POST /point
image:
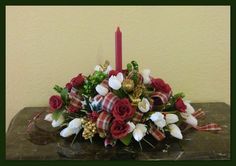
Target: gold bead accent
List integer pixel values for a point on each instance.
(128, 85)
(90, 129)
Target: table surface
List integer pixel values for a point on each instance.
(40, 141)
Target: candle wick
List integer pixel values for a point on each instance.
(118, 28)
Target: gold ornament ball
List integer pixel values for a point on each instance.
(128, 85)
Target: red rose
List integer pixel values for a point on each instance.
(77, 81)
(93, 116)
(69, 86)
(55, 102)
(72, 109)
(113, 73)
(119, 129)
(122, 110)
(159, 85)
(179, 105)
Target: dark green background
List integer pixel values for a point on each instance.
(111, 2)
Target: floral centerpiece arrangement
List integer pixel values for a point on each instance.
(121, 106)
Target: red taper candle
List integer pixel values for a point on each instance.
(118, 45)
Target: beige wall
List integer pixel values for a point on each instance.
(187, 46)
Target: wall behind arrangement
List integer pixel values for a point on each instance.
(189, 47)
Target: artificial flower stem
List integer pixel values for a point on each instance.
(73, 140)
(149, 143)
(140, 145)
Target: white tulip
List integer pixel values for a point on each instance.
(146, 76)
(114, 83)
(120, 77)
(98, 68)
(131, 126)
(73, 127)
(109, 68)
(48, 117)
(101, 90)
(58, 122)
(75, 123)
(189, 108)
(160, 123)
(144, 105)
(175, 131)
(191, 120)
(156, 116)
(139, 131)
(66, 132)
(171, 118)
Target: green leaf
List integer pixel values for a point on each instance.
(127, 139)
(64, 95)
(56, 114)
(58, 88)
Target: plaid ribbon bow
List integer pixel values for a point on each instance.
(103, 123)
(109, 101)
(137, 116)
(156, 133)
(209, 127)
(74, 100)
(162, 96)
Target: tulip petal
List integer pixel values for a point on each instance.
(156, 116)
(191, 120)
(146, 76)
(66, 132)
(142, 127)
(101, 90)
(114, 83)
(175, 131)
(144, 105)
(171, 118)
(131, 126)
(189, 108)
(57, 123)
(48, 117)
(160, 123)
(138, 134)
(120, 77)
(75, 123)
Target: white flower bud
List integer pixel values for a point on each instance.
(146, 76)
(58, 122)
(114, 83)
(48, 117)
(144, 105)
(101, 90)
(175, 131)
(171, 118)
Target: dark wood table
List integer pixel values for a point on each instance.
(40, 141)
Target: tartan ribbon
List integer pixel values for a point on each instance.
(164, 97)
(199, 114)
(109, 141)
(103, 122)
(208, 127)
(137, 116)
(76, 102)
(73, 92)
(104, 83)
(109, 101)
(156, 133)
